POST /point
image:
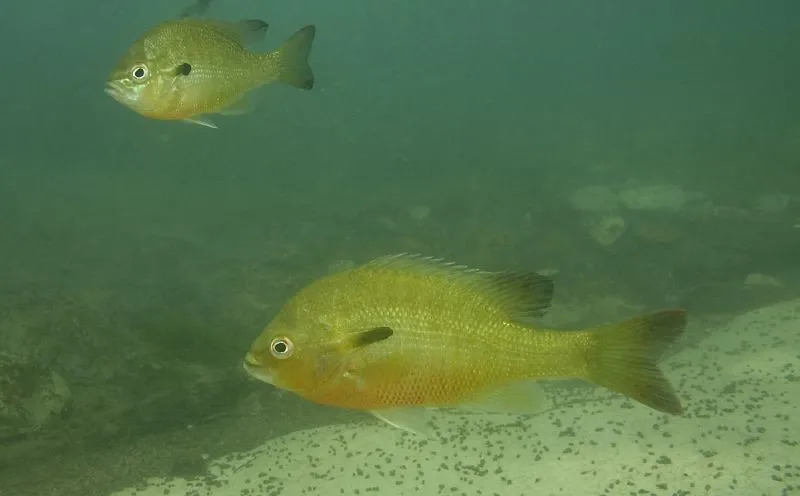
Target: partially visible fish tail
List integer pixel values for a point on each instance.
(624, 357)
(290, 60)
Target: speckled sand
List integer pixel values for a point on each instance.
(740, 436)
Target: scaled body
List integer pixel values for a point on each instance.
(405, 331)
(186, 69)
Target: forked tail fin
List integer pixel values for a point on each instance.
(291, 59)
(624, 357)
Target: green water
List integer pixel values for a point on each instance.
(139, 259)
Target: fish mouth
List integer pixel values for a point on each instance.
(253, 368)
(114, 90)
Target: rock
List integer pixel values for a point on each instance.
(30, 396)
(667, 197)
(607, 230)
(594, 199)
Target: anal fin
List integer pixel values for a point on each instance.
(409, 419)
(243, 105)
(202, 121)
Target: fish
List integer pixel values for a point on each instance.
(405, 334)
(188, 69)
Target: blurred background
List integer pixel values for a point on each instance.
(645, 153)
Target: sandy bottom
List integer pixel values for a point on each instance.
(740, 386)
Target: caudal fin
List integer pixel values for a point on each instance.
(291, 59)
(624, 357)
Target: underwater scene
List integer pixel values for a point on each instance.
(441, 247)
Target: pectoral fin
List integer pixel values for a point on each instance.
(347, 357)
(409, 419)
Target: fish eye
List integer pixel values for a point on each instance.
(139, 72)
(281, 347)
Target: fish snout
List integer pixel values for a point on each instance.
(251, 360)
(112, 88)
(118, 92)
(252, 365)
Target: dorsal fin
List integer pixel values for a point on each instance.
(526, 295)
(521, 295)
(245, 32)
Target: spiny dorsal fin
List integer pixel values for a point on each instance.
(245, 32)
(522, 295)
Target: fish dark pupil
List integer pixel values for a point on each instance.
(280, 347)
(139, 73)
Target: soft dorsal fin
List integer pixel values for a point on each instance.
(522, 295)
(525, 295)
(245, 32)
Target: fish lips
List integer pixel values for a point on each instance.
(117, 92)
(254, 370)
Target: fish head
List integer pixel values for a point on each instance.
(292, 353)
(320, 342)
(147, 79)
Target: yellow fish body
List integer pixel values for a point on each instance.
(187, 68)
(404, 332)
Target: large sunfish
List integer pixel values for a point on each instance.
(404, 333)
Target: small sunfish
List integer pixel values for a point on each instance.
(186, 69)
(405, 333)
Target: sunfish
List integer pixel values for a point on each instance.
(405, 333)
(187, 69)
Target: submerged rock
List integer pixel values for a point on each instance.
(667, 197)
(607, 229)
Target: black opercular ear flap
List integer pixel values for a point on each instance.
(183, 69)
